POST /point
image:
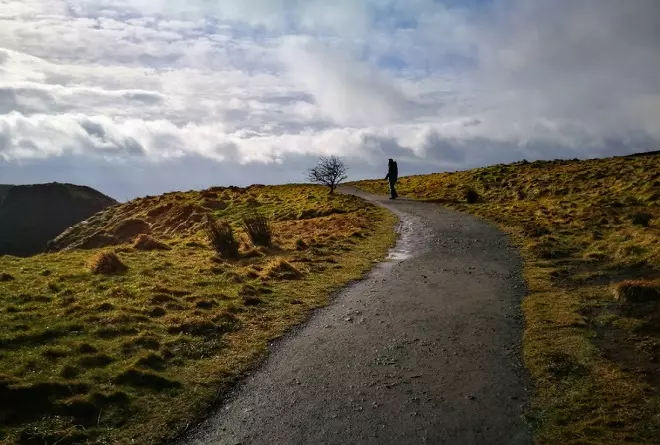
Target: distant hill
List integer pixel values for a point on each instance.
(31, 215)
(4, 188)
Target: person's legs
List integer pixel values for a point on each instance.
(393, 193)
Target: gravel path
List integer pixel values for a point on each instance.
(424, 350)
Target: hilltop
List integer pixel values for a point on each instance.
(182, 214)
(130, 328)
(589, 232)
(31, 215)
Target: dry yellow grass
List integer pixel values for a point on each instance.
(147, 242)
(582, 226)
(107, 263)
(637, 291)
(135, 357)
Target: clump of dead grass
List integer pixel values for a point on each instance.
(147, 242)
(281, 269)
(129, 228)
(637, 291)
(106, 263)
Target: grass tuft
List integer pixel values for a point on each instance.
(281, 270)
(221, 237)
(128, 229)
(471, 196)
(95, 361)
(147, 242)
(152, 361)
(642, 219)
(637, 291)
(258, 228)
(106, 263)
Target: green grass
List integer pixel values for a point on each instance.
(136, 356)
(595, 360)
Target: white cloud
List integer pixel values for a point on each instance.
(261, 81)
(349, 91)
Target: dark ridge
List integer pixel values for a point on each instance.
(646, 153)
(4, 188)
(31, 215)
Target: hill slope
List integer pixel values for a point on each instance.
(182, 214)
(31, 215)
(4, 188)
(137, 353)
(592, 337)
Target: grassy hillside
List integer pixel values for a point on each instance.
(590, 235)
(136, 355)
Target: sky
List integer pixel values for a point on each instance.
(137, 97)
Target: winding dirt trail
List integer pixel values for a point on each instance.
(425, 349)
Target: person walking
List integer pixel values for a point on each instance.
(392, 176)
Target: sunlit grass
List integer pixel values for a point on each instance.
(136, 354)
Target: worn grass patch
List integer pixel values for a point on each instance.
(585, 228)
(135, 356)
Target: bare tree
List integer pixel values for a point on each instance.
(329, 172)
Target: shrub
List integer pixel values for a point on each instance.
(222, 239)
(258, 229)
(642, 219)
(636, 291)
(106, 263)
(147, 242)
(471, 196)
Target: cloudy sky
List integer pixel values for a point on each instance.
(138, 97)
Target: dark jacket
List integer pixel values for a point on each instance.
(392, 171)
